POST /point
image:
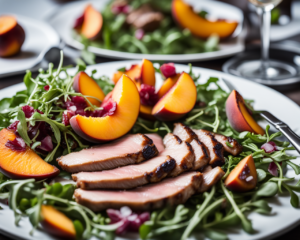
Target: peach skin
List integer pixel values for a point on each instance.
(243, 177)
(146, 112)
(178, 101)
(186, 17)
(56, 223)
(22, 165)
(12, 36)
(108, 128)
(84, 84)
(238, 115)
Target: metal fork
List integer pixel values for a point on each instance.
(278, 124)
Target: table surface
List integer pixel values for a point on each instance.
(71, 54)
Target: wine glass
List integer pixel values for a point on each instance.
(265, 70)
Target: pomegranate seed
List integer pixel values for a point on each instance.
(139, 34)
(67, 115)
(47, 87)
(269, 147)
(13, 126)
(28, 110)
(79, 102)
(168, 70)
(148, 95)
(17, 145)
(78, 22)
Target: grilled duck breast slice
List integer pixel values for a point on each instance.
(169, 192)
(129, 149)
(131, 176)
(210, 177)
(216, 149)
(200, 150)
(181, 151)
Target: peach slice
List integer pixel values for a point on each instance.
(238, 115)
(167, 85)
(147, 73)
(243, 177)
(187, 18)
(12, 36)
(134, 72)
(178, 101)
(143, 74)
(22, 165)
(117, 75)
(56, 223)
(102, 129)
(146, 112)
(84, 84)
(92, 22)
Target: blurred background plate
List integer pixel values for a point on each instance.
(64, 19)
(40, 36)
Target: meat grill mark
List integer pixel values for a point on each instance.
(149, 151)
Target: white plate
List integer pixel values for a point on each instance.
(64, 19)
(284, 216)
(39, 37)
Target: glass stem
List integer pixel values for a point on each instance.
(265, 17)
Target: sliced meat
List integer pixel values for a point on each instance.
(157, 140)
(210, 177)
(145, 18)
(236, 147)
(127, 177)
(181, 151)
(169, 192)
(127, 150)
(148, 21)
(201, 152)
(216, 149)
(184, 132)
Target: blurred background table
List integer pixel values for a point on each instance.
(44, 8)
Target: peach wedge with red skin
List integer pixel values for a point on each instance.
(243, 177)
(56, 223)
(12, 36)
(92, 22)
(22, 165)
(238, 115)
(178, 101)
(84, 84)
(167, 85)
(108, 128)
(186, 17)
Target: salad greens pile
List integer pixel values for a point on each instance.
(167, 39)
(209, 213)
